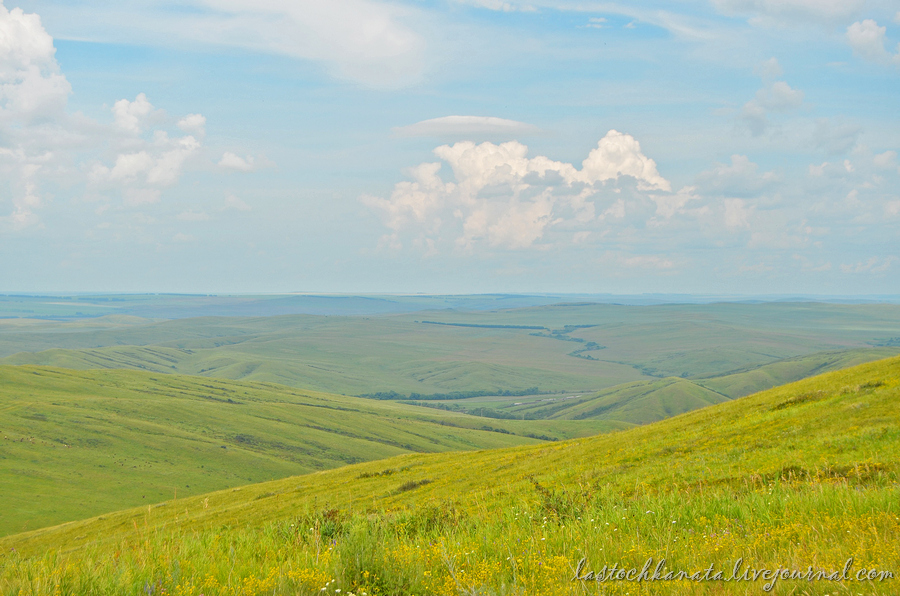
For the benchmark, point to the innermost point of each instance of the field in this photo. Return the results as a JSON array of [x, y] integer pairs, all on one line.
[[554, 348], [111, 439], [800, 477]]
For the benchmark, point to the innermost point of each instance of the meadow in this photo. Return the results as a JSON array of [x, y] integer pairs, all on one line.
[[801, 477], [487, 351], [79, 443]]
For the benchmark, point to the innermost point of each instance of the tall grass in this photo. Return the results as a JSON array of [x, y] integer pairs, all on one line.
[[801, 478], [530, 547]]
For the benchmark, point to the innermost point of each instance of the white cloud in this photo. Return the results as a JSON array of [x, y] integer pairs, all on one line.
[[775, 96], [497, 5], [467, 127], [194, 124], [886, 160], [620, 154], [872, 265], [41, 145], [669, 205], [233, 202], [835, 139], [867, 40], [182, 238], [135, 197], [503, 198], [780, 11], [232, 161], [367, 41], [130, 116], [739, 178], [33, 96], [31, 86], [892, 208], [159, 164], [769, 70], [737, 214]]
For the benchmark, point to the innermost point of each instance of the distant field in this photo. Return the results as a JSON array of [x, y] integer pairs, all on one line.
[[800, 477], [79, 443], [576, 347], [640, 402]]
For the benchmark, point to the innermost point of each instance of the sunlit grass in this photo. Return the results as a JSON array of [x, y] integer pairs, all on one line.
[[802, 476]]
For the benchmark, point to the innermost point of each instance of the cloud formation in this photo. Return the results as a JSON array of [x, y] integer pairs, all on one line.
[[867, 40], [503, 198], [775, 96], [33, 94], [824, 11], [467, 127], [41, 145]]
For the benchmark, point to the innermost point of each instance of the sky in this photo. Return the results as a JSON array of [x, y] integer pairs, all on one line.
[[458, 146]]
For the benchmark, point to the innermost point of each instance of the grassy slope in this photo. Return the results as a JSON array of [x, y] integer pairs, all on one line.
[[108, 439], [745, 382], [356, 355], [641, 402], [804, 474]]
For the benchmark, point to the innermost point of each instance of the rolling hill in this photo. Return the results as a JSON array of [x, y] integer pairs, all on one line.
[[112, 438], [563, 347], [802, 478]]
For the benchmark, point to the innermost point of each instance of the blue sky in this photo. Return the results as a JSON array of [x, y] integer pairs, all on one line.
[[722, 146]]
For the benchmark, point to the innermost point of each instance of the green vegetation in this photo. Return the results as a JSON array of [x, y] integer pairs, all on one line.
[[800, 476], [80, 443], [586, 348]]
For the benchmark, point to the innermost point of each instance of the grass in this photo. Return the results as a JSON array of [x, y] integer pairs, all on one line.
[[356, 355], [109, 439], [803, 476]]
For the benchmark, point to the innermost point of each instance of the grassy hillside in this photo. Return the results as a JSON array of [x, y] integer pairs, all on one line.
[[745, 382], [641, 402], [104, 440], [802, 477]]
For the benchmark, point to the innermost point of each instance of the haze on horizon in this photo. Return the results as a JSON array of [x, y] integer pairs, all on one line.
[[726, 147]]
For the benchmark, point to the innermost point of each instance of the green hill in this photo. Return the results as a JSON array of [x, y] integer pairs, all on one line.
[[112, 439], [638, 403], [802, 477], [744, 382], [563, 347]]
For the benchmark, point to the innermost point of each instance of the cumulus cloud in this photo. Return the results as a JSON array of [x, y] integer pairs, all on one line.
[[131, 116], [467, 127], [33, 95], [194, 124], [739, 178], [501, 197], [233, 202], [232, 161], [159, 164], [867, 40], [42, 145], [835, 138], [775, 96], [737, 214], [886, 160], [892, 208]]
